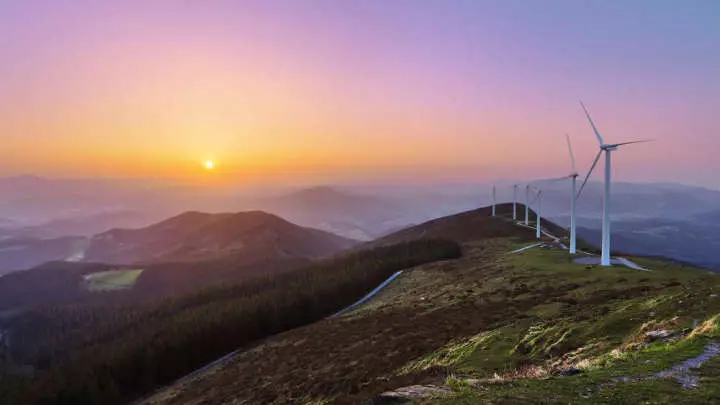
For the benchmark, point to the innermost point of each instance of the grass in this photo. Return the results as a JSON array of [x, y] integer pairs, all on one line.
[[591, 318], [114, 280]]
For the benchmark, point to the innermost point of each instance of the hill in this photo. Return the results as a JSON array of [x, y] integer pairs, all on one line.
[[176, 256], [469, 226], [491, 327], [193, 236]]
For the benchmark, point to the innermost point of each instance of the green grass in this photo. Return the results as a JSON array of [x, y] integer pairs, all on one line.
[[112, 280], [588, 317]]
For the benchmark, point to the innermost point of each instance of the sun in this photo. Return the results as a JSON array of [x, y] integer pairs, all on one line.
[[209, 164]]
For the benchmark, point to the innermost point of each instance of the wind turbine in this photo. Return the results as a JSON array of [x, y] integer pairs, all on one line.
[[515, 202], [608, 149], [493, 201], [527, 204], [537, 214], [573, 198]]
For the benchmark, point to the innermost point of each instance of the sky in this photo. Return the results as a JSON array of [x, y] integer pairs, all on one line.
[[333, 91]]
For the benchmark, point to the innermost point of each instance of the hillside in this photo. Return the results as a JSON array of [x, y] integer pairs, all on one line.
[[110, 352], [469, 226], [491, 327], [193, 236]]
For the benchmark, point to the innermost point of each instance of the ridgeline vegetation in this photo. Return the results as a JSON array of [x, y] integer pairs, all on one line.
[[113, 352]]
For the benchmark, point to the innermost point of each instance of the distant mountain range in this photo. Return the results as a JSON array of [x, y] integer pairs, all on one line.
[[193, 236], [650, 218]]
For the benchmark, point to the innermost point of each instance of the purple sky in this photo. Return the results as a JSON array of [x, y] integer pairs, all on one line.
[[360, 89]]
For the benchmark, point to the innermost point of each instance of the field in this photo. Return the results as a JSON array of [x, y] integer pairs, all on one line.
[[490, 327], [114, 280]]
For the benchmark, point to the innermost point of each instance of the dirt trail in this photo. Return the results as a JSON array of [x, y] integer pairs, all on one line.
[[681, 372]]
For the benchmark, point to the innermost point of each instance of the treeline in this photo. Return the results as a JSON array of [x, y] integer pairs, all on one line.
[[111, 355]]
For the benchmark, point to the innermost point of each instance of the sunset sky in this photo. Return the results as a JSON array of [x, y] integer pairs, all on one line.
[[357, 90]]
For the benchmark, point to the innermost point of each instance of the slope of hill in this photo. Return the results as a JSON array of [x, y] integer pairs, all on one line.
[[109, 353], [247, 236], [491, 327], [468, 226]]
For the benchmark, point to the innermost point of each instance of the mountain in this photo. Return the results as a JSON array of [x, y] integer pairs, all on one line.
[[179, 255], [351, 215], [19, 254], [247, 237]]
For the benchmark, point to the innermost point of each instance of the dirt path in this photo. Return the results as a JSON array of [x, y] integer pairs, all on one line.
[[682, 372]]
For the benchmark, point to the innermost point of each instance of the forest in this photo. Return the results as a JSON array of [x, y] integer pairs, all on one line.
[[116, 351]]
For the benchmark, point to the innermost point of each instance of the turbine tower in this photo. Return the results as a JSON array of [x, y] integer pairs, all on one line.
[[515, 202], [608, 149], [537, 214], [527, 204], [493, 201], [573, 199]]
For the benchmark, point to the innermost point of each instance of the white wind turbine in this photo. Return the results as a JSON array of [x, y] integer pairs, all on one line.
[[537, 214], [493, 200], [527, 204], [573, 198], [607, 148]]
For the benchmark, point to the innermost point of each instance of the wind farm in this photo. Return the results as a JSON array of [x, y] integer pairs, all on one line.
[[535, 186], [297, 202]]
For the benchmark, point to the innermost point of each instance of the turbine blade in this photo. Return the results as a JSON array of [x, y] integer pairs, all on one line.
[[552, 179], [572, 155], [589, 173], [631, 142], [592, 124]]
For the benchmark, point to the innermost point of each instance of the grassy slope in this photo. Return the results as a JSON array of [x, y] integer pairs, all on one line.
[[494, 327], [112, 280], [592, 319]]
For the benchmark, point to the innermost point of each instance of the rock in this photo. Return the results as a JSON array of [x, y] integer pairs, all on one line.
[[415, 392], [569, 371], [658, 334]]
